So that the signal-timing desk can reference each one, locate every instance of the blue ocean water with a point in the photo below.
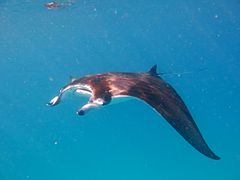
(40, 48)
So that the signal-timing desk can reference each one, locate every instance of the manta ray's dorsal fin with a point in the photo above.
(153, 71)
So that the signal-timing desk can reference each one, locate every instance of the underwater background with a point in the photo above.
(197, 42)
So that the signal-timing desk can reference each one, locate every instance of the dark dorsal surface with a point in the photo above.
(158, 94)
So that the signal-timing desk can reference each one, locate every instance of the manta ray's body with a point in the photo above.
(148, 87)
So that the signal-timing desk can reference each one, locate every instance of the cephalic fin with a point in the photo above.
(56, 100)
(87, 107)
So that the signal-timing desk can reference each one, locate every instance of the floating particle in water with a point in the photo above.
(50, 79)
(179, 36)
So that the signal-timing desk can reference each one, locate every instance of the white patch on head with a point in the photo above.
(87, 87)
(83, 86)
(80, 91)
(83, 89)
(98, 101)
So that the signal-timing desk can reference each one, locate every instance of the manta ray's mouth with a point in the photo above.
(85, 89)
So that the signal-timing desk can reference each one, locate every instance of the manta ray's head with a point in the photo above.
(79, 86)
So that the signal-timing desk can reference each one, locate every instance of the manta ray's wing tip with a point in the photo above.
(216, 157)
(213, 156)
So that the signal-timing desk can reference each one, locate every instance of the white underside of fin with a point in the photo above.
(124, 98)
(121, 98)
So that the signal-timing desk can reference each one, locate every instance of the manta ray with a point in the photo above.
(148, 87)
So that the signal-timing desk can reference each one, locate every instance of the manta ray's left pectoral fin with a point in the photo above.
(90, 105)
